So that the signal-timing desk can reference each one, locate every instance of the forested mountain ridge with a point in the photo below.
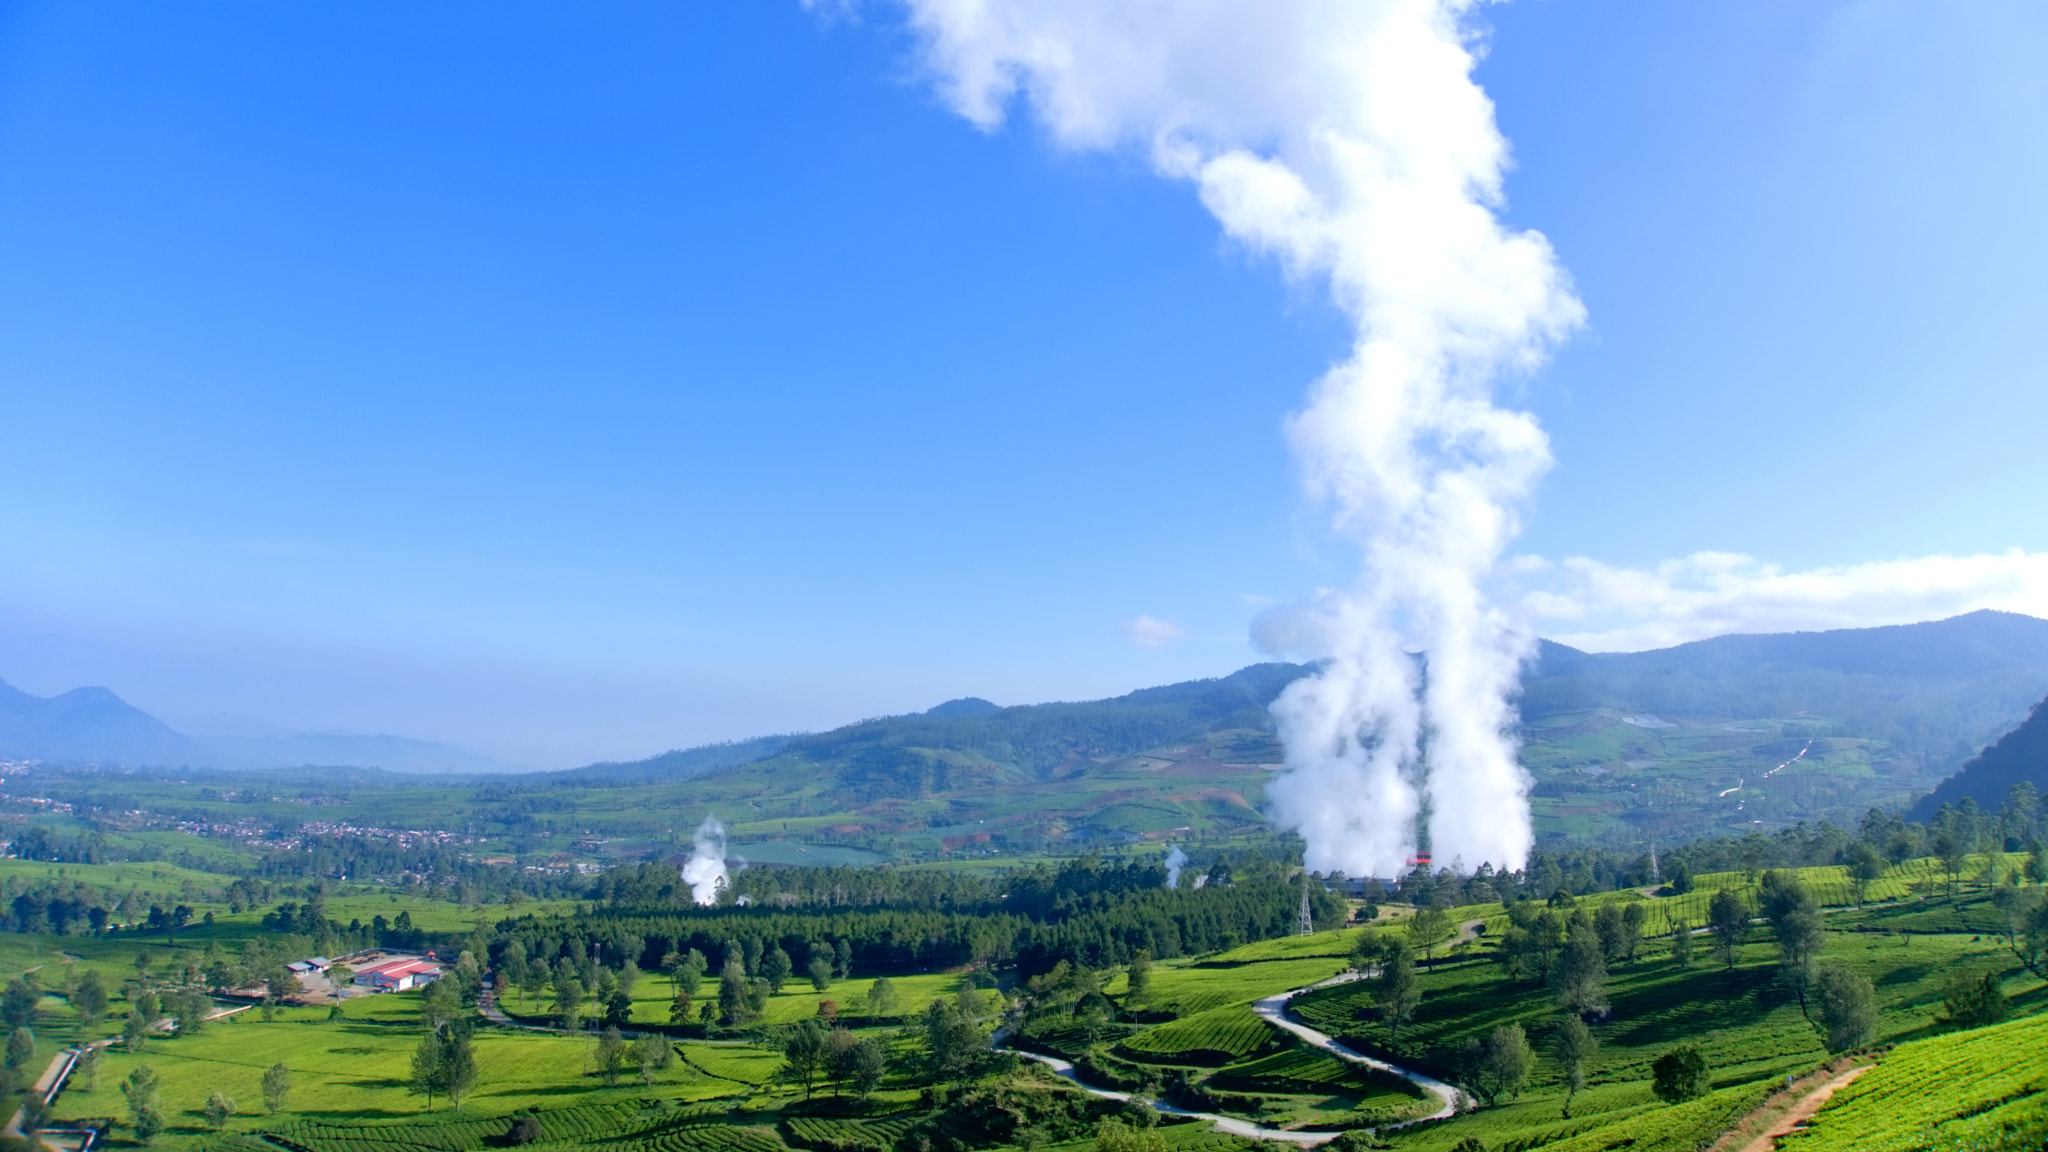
(1936, 690)
(2020, 756)
(1739, 732)
(1735, 732)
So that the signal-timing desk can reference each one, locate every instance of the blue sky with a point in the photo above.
(577, 382)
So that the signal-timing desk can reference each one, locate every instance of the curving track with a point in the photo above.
(1274, 1010)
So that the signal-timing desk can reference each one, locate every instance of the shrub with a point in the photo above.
(1972, 1002)
(1847, 1006)
(1679, 1075)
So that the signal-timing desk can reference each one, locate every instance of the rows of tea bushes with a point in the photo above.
(1967, 1089)
(1210, 1039)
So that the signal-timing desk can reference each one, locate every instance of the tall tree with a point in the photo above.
(1795, 919)
(1866, 867)
(1847, 1006)
(1429, 927)
(1681, 943)
(776, 967)
(144, 1113)
(1138, 979)
(733, 1002)
(1504, 1064)
(804, 1053)
(1580, 980)
(1728, 920)
(277, 1087)
(90, 998)
(1573, 1048)
(426, 1068)
(1396, 990)
(458, 1063)
(882, 999)
(610, 1055)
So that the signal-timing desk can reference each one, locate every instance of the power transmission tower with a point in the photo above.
(1308, 922)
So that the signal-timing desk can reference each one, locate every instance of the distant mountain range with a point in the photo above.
(1935, 693)
(92, 725)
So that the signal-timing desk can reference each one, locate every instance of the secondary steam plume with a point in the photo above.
(1175, 861)
(704, 871)
(1348, 138)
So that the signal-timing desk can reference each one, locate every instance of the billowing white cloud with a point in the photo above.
(1347, 139)
(1152, 632)
(1603, 608)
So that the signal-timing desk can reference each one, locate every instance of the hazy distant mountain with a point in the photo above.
(391, 753)
(683, 763)
(1936, 691)
(86, 724)
(964, 706)
(92, 725)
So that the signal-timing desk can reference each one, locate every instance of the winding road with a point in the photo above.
(1273, 1009)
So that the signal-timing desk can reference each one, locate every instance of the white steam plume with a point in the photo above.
(1347, 138)
(1175, 861)
(704, 871)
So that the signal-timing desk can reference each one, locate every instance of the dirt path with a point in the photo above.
(1797, 1115)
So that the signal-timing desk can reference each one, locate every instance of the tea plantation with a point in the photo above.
(1182, 1031)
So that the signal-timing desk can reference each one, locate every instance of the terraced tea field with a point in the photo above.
(1210, 1038)
(1965, 1090)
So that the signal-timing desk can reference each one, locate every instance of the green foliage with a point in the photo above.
(1974, 1001)
(1113, 1135)
(1500, 1066)
(1679, 1075)
(1580, 976)
(1573, 1047)
(1396, 988)
(1728, 921)
(277, 1087)
(144, 1112)
(1846, 1003)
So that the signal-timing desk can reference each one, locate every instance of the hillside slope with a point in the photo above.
(2019, 755)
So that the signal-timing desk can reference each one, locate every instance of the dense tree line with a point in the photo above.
(1088, 913)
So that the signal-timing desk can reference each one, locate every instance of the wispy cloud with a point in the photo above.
(1603, 608)
(1152, 632)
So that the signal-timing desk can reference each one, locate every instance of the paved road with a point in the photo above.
(1274, 1010)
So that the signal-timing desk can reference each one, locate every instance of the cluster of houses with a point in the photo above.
(376, 970)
